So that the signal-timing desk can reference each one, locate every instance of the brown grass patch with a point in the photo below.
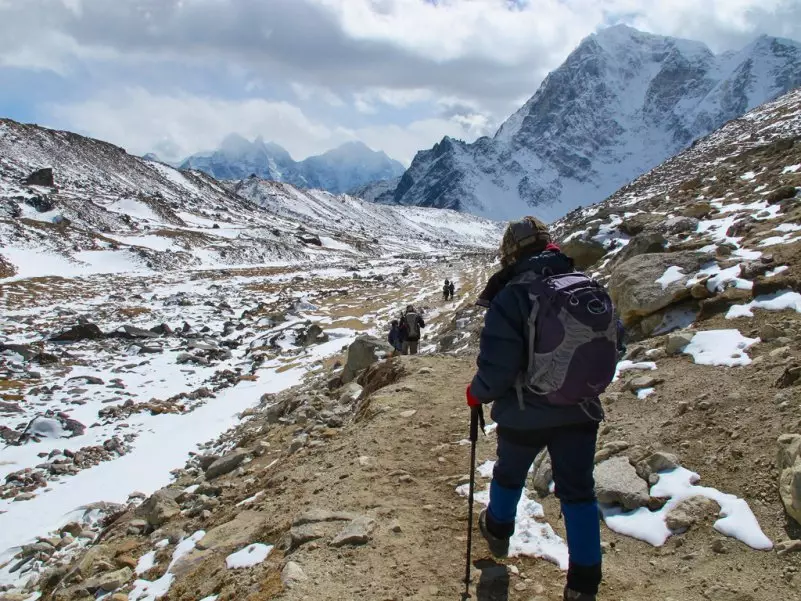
(130, 312)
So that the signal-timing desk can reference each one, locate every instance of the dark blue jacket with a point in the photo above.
(502, 356)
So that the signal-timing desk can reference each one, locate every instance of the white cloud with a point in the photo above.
(175, 126)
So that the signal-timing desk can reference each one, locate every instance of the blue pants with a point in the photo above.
(572, 450)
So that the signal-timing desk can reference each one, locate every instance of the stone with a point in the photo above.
(118, 597)
(639, 382)
(788, 462)
(677, 342)
(292, 574)
(41, 177)
(314, 516)
(788, 546)
(635, 288)
(655, 463)
(780, 194)
(226, 464)
(790, 377)
(617, 482)
(698, 210)
(298, 443)
(358, 532)
(85, 331)
(769, 332)
(108, 581)
(584, 253)
(309, 335)
(681, 225)
(300, 535)
(688, 512)
(236, 533)
(158, 509)
(362, 353)
(641, 244)
(610, 449)
(95, 558)
(133, 332)
(349, 393)
(751, 270)
(720, 546)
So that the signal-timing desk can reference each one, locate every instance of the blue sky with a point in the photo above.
(175, 76)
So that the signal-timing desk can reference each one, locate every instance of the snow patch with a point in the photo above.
(250, 556)
(776, 301)
(672, 274)
(720, 347)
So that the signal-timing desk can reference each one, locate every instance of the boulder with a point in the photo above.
(789, 466)
(84, 331)
(362, 353)
(109, 581)
(133, 333)
(698, 210)
(681, 225)
(780, 194)
(637, 224)
(584, 253)
(292, 574)
(638, 288)
(610, 449)
(641, 244)
(379, 375)
(769, 332)
(751, 270)
(349, 393)
(543, 473)
(226, 464)
(358, 532)
(655, 463)
(617, 482)
(688, 512)
(678, 341)
(158, 509)
(41, 177)
(310, 334)
(234, 534)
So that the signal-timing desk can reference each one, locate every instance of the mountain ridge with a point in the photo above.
(621, 103)
(348, 166)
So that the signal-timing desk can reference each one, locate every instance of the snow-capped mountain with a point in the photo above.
(349, 166)
(622, 103)
(74, 205)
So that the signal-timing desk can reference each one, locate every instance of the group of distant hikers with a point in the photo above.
(404, 333)
(549, 347)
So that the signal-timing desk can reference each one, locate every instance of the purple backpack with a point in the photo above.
(572, 338)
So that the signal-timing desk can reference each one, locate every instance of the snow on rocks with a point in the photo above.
(720, 347)
(533, 537)
(250, 556)
(627, 365)
(736, 519)
(146, 590)
(777, 301)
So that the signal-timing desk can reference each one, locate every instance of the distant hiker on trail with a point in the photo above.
(394, 337)
(451, 289)
(446, 288)
(544, 383)
(412, 324)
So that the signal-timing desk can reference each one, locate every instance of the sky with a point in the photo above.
(175, 77)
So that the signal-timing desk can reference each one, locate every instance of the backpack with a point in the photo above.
(412, 326)
(572, 338)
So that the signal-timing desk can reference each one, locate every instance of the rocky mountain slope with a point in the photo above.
(622, 102)
(339, 170)
(94, 208)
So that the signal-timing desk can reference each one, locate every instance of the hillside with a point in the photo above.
(622, 102)
(101, 210)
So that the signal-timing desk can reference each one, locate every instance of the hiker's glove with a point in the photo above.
(471, 400)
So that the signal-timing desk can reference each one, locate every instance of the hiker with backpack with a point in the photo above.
(446, 290)
(451, 289)
(412, 323)
(547, 350)
(395, 337)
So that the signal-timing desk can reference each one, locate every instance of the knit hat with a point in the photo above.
(529, 234)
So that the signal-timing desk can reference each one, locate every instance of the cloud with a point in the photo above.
(332, 68)
(175, 126)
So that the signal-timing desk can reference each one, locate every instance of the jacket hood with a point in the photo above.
(545, 263)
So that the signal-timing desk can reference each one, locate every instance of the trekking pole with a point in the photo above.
(476, 416)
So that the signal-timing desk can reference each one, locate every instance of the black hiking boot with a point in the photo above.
(498, 546)
(571, 595)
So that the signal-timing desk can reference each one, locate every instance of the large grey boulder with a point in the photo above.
(158, 509)
(617, 483)
(362, 353)
(646, 242)
(584, 253)
(639, 287)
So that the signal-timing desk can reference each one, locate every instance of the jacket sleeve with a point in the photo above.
(502, 354)
(420, 322)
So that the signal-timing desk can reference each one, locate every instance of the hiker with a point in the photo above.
(548, 400)
(446, 288)
(413, 323)
(394, 337)
(451, 289)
